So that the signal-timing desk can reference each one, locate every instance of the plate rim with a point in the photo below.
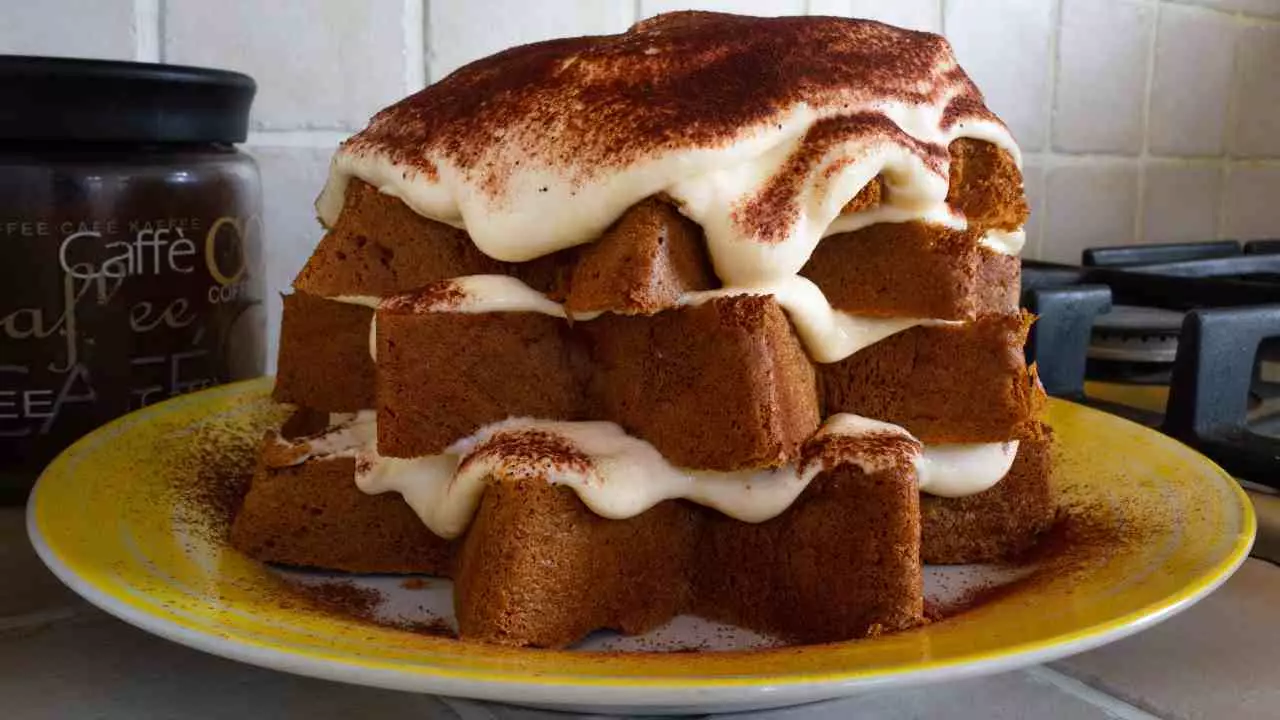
(633, 689)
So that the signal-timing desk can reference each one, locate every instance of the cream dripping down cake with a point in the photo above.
(715, 316)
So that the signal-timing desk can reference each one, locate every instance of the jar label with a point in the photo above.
(102, 316)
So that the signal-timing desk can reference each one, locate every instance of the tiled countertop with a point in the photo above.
(61, 658)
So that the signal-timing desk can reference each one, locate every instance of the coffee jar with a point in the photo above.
(130, 265)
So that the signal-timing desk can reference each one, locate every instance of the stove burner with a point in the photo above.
(1135, 334)
(1137, 320)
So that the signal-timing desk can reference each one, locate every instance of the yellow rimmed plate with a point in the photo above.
(122, 518)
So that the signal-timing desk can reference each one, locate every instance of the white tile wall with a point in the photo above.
(1257, 8)
(1088, 203)
(1103, 48)
(1033, 182)
(320, 64)
(1257, 131)
(1251, 207)
(1181, 201)
(749, 7)
(292, 177)
(1260, 8)
(1106, 96)
(914, 14)
(454, 38)
(101, 28)
(1006, 46)
(1192, 85)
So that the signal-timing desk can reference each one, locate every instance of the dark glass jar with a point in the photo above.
(130, 270)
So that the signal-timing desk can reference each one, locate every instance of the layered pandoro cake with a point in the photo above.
(715, 316)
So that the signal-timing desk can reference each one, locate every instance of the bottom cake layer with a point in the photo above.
(538, 568)
(313, 515)
(842, 563)
(997, 524)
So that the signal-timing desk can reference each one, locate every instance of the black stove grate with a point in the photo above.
(1231, 295)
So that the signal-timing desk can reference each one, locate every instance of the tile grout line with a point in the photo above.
(1144, 153)
(147, 30)
(162, 29)
(1087, 693)
(1241, 14)
(428, 76)
(1068, 159)
(465, 709)
(1051, 103)
(414, 37)
(1048, 157)
(40, 618)
(1233, 110)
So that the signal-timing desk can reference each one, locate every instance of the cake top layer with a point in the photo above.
(761, 129)
(678, 81)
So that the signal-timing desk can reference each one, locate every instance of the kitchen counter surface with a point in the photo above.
(61, 658)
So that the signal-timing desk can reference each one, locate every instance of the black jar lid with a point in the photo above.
(61, 99)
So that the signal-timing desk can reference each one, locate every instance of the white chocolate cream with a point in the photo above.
(619, 476)
(369, 301)
(475, 294)
(710, 185)
(765, 187)
(1005, 242)
(766, 173)
(960, 469)
(829, 335)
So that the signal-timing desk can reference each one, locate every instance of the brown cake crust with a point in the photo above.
(998, 288)
(313, 515)
(914, 269)
(1000, 523)
(842, 562)
(537, 567)
(945, 384)
(986, 185)
(443, 375)
(722, 386)
(642, 264)
(379, 247)
(324, 359)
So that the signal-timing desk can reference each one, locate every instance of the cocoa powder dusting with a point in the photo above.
(437, 296)
(770, 213)
(342, 597)
(680, 80)
(883, 449)
(434, 628)
(1082, 535)
(524, 450)
(209, 467)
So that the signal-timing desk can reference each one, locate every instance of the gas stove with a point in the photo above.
(1183, 338)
